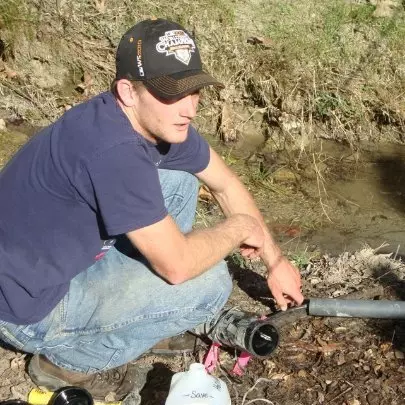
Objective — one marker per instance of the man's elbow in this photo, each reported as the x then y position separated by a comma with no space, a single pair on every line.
176,274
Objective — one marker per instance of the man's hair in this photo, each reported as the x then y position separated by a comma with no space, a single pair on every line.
136,84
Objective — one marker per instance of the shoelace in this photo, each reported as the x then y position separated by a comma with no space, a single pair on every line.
114,376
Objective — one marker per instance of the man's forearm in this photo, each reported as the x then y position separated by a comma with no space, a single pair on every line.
237,199
206,247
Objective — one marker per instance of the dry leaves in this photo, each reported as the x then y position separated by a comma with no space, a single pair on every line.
204,194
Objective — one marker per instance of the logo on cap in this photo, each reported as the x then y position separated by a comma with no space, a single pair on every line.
177,43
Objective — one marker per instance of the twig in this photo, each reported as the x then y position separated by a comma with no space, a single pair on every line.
226,376
320,182
28,98
260,399
396,252
251,389
342,393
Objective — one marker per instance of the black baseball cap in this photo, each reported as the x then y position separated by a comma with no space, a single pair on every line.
164,56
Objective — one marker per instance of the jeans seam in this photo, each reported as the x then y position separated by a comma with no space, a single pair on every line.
113,327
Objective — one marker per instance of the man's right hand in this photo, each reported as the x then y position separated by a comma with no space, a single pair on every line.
252,246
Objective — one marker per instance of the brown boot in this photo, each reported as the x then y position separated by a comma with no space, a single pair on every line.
119,380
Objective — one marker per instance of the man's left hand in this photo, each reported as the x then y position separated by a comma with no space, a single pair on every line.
284,282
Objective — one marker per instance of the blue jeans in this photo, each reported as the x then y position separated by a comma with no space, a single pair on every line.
119,308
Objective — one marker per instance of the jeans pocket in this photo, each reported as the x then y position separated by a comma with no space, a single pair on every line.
14,335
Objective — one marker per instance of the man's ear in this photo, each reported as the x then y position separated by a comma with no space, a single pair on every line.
126,93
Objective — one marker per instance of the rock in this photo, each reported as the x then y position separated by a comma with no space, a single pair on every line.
2,125
399,355
341,359
241,123
284,175
228,130
372,399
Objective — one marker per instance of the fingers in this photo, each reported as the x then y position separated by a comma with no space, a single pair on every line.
281,301
285,285
246,252
250,252
277,294
296,295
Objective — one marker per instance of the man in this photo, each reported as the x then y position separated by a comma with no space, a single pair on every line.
123,166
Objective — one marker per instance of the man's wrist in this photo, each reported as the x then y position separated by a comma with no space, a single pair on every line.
271,267
272,256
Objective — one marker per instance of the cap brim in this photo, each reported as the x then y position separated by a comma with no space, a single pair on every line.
170,87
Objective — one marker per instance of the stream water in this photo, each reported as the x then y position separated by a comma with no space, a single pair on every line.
361,198
352,199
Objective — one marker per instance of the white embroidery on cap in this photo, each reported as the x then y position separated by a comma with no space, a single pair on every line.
177,43
139,58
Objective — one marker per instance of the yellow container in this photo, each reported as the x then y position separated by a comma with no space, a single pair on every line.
40,397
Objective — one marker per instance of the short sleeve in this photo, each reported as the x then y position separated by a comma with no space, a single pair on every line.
191,156
126,187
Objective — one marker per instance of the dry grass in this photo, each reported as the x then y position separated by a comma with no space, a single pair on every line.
356,271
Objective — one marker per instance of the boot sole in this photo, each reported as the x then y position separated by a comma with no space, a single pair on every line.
41,379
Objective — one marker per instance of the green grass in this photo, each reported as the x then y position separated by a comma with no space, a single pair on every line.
346,63
16,17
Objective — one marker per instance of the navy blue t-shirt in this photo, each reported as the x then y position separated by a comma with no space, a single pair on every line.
77,183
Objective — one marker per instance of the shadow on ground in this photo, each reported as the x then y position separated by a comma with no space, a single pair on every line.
253,284
157,385
393,331
392,184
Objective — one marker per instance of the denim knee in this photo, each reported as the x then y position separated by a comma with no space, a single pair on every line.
213,288
180,192
177,182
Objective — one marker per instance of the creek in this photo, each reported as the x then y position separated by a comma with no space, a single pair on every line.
340,200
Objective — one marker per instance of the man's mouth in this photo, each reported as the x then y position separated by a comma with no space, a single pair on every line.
182,126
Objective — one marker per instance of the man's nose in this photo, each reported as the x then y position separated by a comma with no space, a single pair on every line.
189,106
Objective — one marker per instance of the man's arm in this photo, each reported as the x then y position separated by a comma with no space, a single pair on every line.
178,257
234,198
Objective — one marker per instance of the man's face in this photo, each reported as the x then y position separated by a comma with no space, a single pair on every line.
158,119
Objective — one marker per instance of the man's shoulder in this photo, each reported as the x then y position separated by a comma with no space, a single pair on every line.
94,125
96,110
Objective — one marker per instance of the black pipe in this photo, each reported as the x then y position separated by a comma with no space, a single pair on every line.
382,309
246,332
